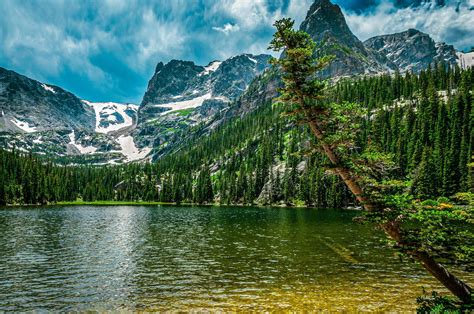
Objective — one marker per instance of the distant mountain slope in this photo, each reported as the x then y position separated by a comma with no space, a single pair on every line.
183,80
48,120
182,95
412,50
28,105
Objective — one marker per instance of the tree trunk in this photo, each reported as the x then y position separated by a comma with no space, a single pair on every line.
454,284
391,228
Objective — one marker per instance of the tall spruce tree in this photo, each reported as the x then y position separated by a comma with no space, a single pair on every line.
333,126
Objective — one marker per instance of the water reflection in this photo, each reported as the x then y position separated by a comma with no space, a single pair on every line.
155,258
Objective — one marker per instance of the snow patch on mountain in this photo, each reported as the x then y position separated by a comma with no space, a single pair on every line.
185,104
80,148
465,60
130,150
110,116
48,88
253,60
38,140
23,125
212,67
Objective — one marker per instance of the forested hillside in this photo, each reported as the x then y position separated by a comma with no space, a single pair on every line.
424,121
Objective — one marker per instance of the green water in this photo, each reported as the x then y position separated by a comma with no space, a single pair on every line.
184,258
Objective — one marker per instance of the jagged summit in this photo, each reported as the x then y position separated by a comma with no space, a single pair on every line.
182,94
326,24
184,79
412,50
28,105
325,19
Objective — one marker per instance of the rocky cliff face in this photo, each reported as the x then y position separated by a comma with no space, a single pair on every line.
28,105
412,50
179,81
327,26
181,95
48,120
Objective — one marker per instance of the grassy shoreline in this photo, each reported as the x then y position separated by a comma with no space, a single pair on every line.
110,203
94,203
146,203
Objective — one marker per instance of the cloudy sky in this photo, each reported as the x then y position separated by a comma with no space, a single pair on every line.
106,50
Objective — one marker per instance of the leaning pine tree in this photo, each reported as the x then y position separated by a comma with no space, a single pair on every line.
335,127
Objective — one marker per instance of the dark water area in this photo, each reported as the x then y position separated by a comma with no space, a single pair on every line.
191,258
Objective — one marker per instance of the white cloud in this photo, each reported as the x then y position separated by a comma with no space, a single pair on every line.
227,28
44,43
254,14
452,23
156,38
43,46
248,13
251,17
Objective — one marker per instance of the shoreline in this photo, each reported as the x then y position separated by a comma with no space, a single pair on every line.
152,203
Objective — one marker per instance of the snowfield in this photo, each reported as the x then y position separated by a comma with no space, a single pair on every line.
23,125
465,60
38,140
82,149
213,66
130,150
252,59
106,120
185,104
48,88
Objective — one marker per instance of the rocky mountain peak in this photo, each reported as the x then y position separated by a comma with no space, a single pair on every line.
325,20
412,50
170,79
182,94
181,80
326,24
28,105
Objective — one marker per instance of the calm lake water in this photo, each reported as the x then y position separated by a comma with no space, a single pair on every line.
156,258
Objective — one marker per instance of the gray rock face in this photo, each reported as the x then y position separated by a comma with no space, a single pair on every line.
47,120
412,50
182,80
171,79
234,75
326,24
26,104
181,95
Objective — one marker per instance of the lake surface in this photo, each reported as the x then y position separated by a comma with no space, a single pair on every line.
183,258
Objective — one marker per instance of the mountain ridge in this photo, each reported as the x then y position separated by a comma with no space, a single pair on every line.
412,50
184,99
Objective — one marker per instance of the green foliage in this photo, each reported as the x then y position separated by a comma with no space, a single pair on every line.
465,198
436,304
184,112
443,230
301,87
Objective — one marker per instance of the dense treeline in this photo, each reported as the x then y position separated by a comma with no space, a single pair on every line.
430,135
425,121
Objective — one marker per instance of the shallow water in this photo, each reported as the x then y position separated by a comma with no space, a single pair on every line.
183,258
